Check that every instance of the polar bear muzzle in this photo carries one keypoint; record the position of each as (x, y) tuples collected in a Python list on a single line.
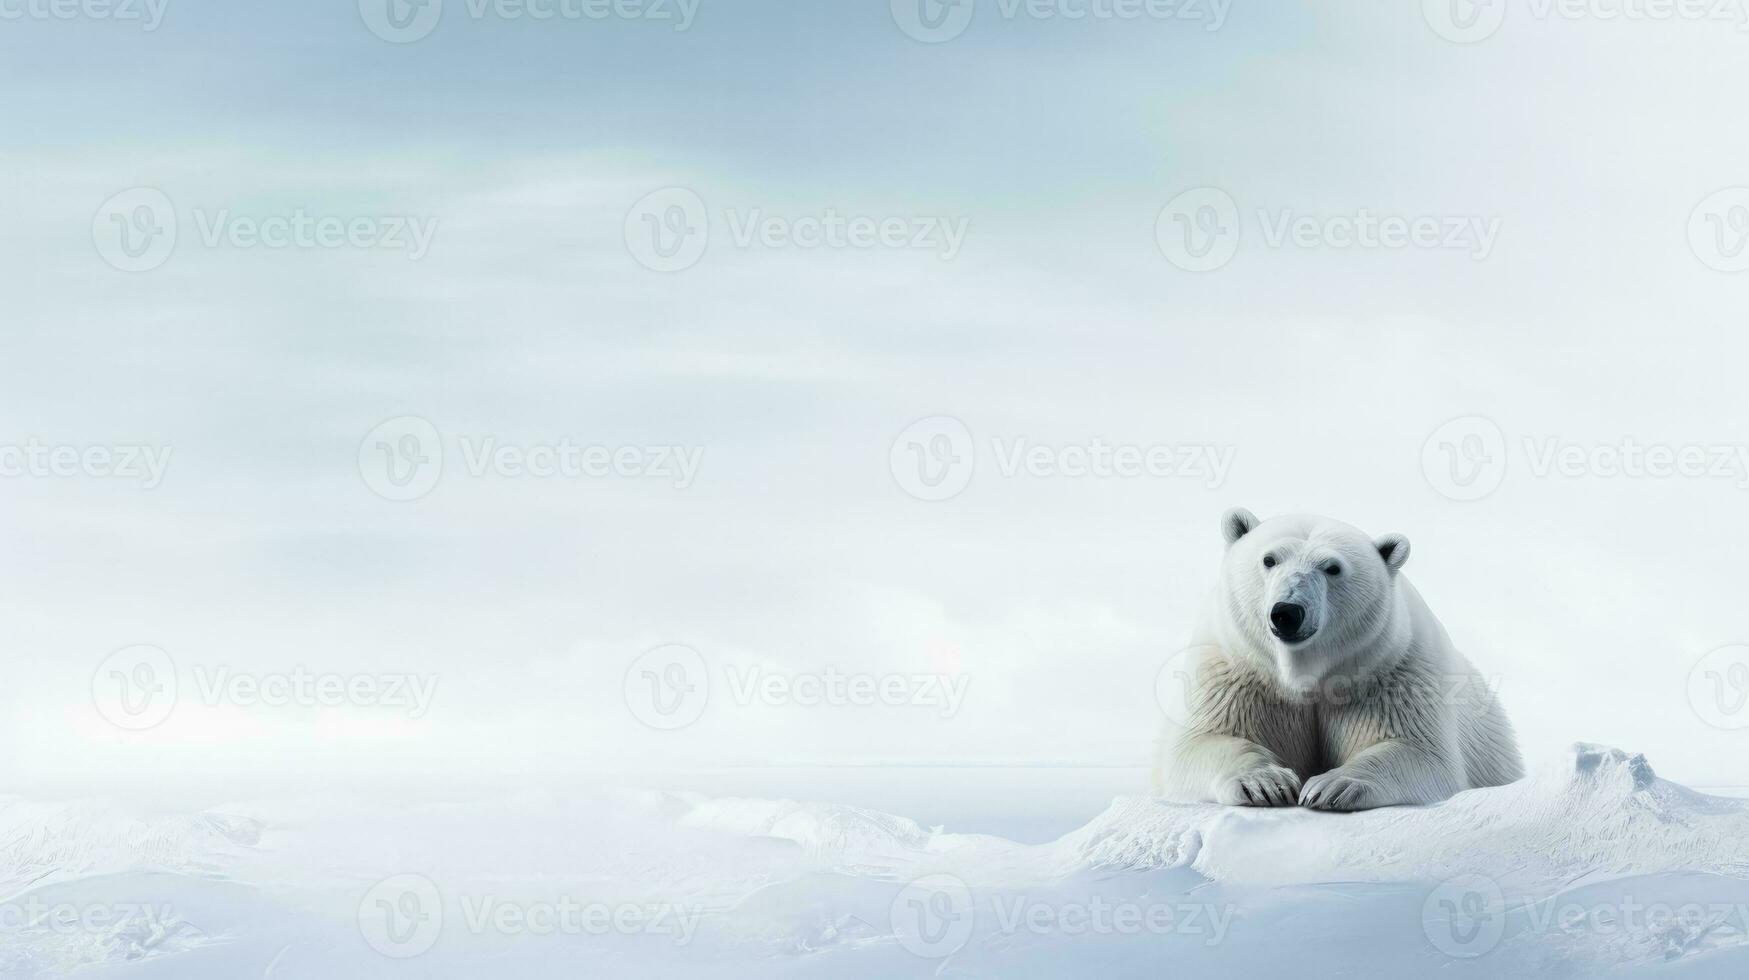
[(1287, 620)]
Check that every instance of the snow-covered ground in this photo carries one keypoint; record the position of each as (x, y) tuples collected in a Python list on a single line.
[(1593, 866)]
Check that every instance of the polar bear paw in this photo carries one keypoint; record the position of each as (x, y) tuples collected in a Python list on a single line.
[(1262, 786), (1338, 790)]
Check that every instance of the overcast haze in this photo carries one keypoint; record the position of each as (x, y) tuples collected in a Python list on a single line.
[(1580, 289)]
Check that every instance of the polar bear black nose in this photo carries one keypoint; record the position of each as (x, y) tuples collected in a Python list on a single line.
[(1286, 618)]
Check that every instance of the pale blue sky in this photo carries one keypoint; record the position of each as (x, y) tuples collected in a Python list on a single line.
[(1060, 320)]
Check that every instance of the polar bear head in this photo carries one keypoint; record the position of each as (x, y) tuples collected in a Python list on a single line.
[(1309, 595)]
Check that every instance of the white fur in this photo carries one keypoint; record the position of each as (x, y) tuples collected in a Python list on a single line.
[(1375, 708)]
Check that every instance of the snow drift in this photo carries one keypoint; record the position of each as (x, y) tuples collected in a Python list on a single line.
[(1592, 865)]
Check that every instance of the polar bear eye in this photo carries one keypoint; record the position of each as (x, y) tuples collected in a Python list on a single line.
[(1332, 570), (1268, 561)]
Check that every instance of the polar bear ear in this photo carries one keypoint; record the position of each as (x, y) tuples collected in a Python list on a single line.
[(1394, 549), (1237, 523)]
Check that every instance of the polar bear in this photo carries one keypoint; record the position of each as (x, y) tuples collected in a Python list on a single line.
[(1319, 677)]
